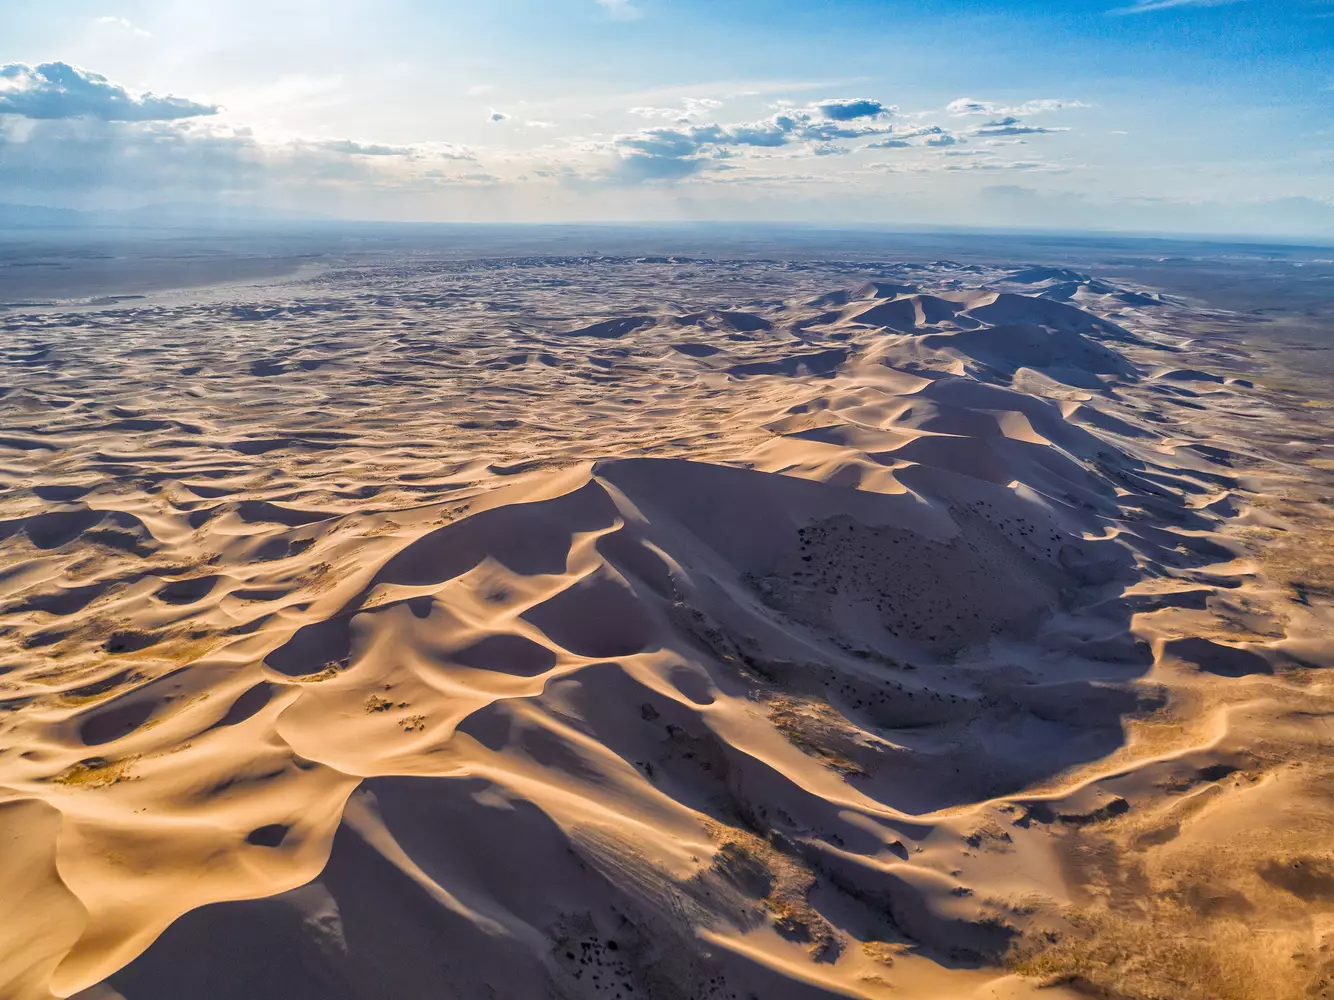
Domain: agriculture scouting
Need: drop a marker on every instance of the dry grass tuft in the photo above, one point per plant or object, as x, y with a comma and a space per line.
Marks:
1170, 954
783, 884
96, 773
817, 729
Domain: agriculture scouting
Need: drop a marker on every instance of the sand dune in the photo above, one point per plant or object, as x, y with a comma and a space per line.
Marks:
496, 633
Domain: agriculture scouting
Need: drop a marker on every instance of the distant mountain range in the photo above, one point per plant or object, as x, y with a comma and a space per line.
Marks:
187, 214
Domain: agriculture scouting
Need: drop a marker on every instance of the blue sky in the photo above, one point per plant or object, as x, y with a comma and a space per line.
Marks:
1168, 115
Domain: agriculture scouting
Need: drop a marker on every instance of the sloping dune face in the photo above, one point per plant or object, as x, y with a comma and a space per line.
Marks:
888, 634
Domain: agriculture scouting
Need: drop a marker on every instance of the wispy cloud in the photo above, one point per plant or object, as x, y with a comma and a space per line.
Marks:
971, 106
693, 108
123, 23
1011, 125
621, 10
1149, 6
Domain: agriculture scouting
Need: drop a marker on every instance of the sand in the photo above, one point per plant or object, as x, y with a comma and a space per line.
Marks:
667, 628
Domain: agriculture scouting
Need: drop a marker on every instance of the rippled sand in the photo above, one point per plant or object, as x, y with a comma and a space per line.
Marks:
660, 627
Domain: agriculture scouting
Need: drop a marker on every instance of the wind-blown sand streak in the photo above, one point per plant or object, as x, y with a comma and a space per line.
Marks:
469, 632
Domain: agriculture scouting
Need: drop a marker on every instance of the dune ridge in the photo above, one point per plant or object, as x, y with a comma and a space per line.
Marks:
914, 638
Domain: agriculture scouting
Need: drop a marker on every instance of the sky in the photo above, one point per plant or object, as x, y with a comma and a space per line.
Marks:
1186, 116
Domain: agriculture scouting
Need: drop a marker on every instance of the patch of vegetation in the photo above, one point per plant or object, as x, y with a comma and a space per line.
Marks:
817, 729
758, 869
1171, 953
96, 772
330, 670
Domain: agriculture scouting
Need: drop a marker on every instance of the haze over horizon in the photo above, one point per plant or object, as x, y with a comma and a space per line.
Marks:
1150, 115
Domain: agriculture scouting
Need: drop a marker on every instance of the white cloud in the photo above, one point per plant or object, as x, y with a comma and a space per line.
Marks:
351, 148
971, 106
92, 140
1148, 6
670, 114
67, 160
1006, 165
1010, 125
124, 24
671, 153
692, 107
846, 109
621, 10
58, 90
903, 138
701, 105
689, 149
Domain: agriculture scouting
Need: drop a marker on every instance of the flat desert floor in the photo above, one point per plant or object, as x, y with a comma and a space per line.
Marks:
623, 626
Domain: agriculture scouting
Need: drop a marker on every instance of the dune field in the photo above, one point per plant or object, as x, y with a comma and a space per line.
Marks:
657, 627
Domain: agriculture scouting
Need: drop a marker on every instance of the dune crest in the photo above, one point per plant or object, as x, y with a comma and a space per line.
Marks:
901, 640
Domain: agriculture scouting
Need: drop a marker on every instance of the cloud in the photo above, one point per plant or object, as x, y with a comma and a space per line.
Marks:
970, 106
740, 178
700, 105
1148, 6
621, 10
967, 164
638, 167
1017, 130
903, 139
692, 107
123, 23
844, 110
815, 130
68, 159
87, 160
58, 90
350, 148
1013, 126
644, 111
1003, 165
59, 152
